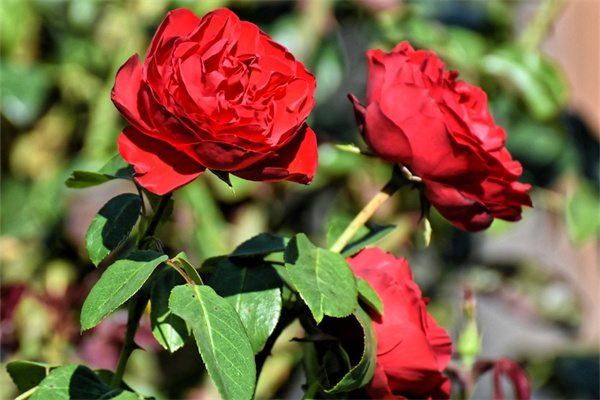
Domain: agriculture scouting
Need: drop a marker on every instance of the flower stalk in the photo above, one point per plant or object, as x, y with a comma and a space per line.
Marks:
395, 183
137, 303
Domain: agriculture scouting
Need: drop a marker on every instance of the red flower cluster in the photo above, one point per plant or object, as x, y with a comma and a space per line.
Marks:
412, 349
215, 93
421, 117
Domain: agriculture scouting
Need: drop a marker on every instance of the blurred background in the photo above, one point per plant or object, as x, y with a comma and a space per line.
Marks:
536, 281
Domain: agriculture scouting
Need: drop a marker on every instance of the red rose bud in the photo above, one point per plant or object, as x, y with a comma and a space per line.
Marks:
215, 93
468, 344
421, 117
412, 350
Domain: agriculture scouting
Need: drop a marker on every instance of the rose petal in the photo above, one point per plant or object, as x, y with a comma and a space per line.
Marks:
412, 349
390, 144
125, 94
462, 211
294, 162
222, 156
159, 167
420, 116
179, 22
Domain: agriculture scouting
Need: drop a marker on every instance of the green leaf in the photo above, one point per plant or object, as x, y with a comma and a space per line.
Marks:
168, 329
107, 376
369, 295
78, 382
83, 179
189, 269
28, 374
323, 278
222, 175
362, 372
117, 284
221, 339
254, 292
116, 168
260, 245
112, 225
366, 235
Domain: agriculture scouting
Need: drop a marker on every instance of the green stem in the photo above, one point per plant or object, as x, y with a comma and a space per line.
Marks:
181, 272
539, 25
27, 394
162, 206
396, 182
138, 302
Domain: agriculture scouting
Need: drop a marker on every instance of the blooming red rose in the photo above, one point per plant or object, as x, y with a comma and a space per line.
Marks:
440, 128
412, 349
215, 93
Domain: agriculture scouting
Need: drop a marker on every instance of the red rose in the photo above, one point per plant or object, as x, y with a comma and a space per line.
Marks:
421, 117
215, 93
412, 349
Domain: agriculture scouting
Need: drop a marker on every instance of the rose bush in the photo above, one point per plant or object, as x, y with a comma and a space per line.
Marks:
440, 128
412, 349
215, 93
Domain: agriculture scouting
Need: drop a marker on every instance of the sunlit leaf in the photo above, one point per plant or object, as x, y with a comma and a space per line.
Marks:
323, 278
254, 291
181, 260
78, 382
112, 225
117, 284
116, 168
221, 339
169, 330
261, 245
28, 374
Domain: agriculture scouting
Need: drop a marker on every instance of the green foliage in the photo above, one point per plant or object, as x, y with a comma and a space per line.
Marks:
369, 295
85, 179
253, 290
59, 61
116, 168
112, 225
323, 278
181, 260
168, 329
118, 283
78, 382
221, 339
362, 372
366, 235
28, 374
260, 245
